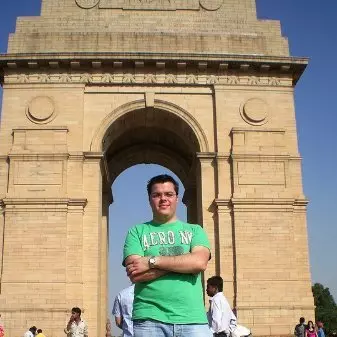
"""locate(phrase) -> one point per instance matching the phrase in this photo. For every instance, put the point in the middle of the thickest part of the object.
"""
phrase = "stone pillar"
(226, 248)
(272, 271)
(92, 235)
(75, 251)
(190, 200)
(34, 272)
(3, 190)
(106, 201)
(206, 196)
(2, 233)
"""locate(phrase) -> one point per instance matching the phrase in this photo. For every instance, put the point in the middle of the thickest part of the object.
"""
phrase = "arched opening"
(130, 208)
(157, 135)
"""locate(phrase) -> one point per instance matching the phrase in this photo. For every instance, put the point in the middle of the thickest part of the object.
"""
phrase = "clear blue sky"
(311, 27)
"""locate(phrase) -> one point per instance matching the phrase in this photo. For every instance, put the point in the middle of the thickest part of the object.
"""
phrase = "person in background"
(221, 318)
(300, 328)
(31, 332)
(39, 333)
(76, 326)
(311, 331)
(320, 330)
(122, 310)
(2, 328)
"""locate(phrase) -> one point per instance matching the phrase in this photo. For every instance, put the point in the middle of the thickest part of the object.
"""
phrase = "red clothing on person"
(311, 333)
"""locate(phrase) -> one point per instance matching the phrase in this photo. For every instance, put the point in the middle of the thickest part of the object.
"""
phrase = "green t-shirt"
(172, 298)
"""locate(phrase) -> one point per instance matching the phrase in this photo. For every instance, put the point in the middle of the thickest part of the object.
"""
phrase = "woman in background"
(2, 329)
(311, 331)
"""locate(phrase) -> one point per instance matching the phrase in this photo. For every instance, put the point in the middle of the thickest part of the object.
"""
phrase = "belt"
(220, 334)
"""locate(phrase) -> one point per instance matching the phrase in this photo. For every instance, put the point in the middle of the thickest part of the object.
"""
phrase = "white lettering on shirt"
(154, 242)
(171, 240)
(165, 238)
(186, 237)
(145, 243)
(162, 238)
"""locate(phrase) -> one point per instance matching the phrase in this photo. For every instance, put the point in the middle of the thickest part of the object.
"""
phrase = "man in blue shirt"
(122, 310)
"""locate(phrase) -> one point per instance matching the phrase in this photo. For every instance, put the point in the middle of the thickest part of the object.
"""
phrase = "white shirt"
(220, 315)
(123, 306)
(28, 334)
(77, 330)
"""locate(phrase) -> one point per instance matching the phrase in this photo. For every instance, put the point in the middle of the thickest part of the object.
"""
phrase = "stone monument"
(202, 87)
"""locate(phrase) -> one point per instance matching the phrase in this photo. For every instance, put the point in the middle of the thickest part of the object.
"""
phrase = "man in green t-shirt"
(164, 258)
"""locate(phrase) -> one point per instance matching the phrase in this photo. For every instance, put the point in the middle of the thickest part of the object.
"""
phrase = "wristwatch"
(152, 262)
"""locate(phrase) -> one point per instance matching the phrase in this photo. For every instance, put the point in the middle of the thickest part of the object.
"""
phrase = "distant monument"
(204, 88)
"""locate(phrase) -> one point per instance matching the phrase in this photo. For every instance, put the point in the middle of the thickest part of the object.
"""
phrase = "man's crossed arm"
(138, 269)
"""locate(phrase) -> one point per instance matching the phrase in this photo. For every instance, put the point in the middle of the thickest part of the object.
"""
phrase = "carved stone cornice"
(223, 205)
(93, 156)
(269, 204)
(43, 204)
(161, 68)
(223, 156)
(276, 307)
(255, 129)
(259, 157)
(206, 155)
(36, 128)
(38, 156)
(109, 77)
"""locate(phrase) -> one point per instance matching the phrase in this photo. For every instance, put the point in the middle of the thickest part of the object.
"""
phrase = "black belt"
(220, 334)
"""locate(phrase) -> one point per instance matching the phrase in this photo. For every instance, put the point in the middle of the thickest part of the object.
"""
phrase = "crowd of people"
(309, 330)
(34, 332)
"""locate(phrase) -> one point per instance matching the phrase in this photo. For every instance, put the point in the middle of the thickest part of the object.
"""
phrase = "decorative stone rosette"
(41, 110)
(255, 111)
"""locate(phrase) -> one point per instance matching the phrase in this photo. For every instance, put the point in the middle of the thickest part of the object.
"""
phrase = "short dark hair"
(77, 310)
(39, 330)
(161, 179)
(216, 281)
(33, 329)
(302, 320)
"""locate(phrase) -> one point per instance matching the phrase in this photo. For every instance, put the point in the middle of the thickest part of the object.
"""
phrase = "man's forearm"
(191, 263)
(149, 275)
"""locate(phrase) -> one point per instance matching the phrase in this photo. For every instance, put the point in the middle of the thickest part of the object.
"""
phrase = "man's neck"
(164, 220)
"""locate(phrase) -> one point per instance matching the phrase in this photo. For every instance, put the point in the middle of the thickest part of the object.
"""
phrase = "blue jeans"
(148, 328)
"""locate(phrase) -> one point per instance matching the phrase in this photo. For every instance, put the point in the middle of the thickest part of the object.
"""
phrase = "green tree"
(326, 308)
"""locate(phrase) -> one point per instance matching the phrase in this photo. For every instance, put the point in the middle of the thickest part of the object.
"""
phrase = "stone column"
(3, 189)
(74, 256)
(2, 233)
(206, 196)
(92, 235)
(190, 200)
(225, 243)
(106, 201)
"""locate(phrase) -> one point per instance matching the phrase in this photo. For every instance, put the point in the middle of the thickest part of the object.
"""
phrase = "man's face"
(74, 315)
(211, 290)
(163, 200)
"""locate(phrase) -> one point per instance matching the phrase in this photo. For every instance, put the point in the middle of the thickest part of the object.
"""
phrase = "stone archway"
(210, 89)
(162, 134)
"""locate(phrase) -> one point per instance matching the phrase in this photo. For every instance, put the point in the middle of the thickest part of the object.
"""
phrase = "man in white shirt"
(31, 332)
(122, 310)
(221, 318)
(76, 327)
